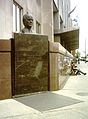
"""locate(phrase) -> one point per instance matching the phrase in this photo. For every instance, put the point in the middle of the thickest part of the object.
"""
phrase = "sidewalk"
(69, 103)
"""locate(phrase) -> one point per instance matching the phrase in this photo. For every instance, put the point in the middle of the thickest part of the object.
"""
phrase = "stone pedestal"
(31, 63)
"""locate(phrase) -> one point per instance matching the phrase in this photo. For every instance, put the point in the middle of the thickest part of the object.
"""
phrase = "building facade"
(48, 17)
(51, 19)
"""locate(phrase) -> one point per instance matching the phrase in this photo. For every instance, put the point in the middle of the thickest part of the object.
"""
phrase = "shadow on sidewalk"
(47, 101)
(82, 93)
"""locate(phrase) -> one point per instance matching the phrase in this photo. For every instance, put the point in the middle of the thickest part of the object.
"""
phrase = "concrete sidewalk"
(69, 103)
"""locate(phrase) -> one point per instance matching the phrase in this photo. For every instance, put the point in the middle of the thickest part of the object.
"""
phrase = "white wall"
(5, 19)
(6, 15)
(43, 13)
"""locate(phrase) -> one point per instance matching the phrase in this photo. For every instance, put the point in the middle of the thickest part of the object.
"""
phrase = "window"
(38, 27)
(17, 13)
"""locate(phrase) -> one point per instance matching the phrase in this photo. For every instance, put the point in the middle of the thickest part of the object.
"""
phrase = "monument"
(28, 23)
(31, 55)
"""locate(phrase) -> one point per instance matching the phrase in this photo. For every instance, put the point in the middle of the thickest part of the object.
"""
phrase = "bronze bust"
(28, 23)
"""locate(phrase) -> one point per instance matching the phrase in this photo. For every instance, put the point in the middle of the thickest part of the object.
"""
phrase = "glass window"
(38, 27)
(17, 13)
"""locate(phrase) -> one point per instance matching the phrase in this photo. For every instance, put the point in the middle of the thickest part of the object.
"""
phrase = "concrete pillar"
(47, 18)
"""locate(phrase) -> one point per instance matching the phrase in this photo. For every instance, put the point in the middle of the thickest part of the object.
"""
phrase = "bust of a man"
(28, 23)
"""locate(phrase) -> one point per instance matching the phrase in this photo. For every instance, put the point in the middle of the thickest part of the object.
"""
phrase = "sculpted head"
(28, 21)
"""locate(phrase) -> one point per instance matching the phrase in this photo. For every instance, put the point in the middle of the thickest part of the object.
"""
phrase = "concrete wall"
(47, 19)
(5, 19)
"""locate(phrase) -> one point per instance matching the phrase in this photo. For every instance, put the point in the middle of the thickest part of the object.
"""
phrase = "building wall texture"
(65, 8)
(5, 19)
(34, 7)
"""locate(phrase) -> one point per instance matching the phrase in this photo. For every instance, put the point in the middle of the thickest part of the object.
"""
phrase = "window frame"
(38, 27)
(17, 7)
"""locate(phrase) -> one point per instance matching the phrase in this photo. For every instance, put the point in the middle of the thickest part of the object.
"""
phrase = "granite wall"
(64, 69)
(5, 69)
(60, 64)
(64, 62)
(31, 59)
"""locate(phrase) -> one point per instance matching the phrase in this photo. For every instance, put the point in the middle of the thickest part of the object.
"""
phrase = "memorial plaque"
(31, 63)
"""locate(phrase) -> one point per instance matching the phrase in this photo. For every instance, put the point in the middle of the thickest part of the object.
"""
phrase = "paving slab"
(11, 108)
